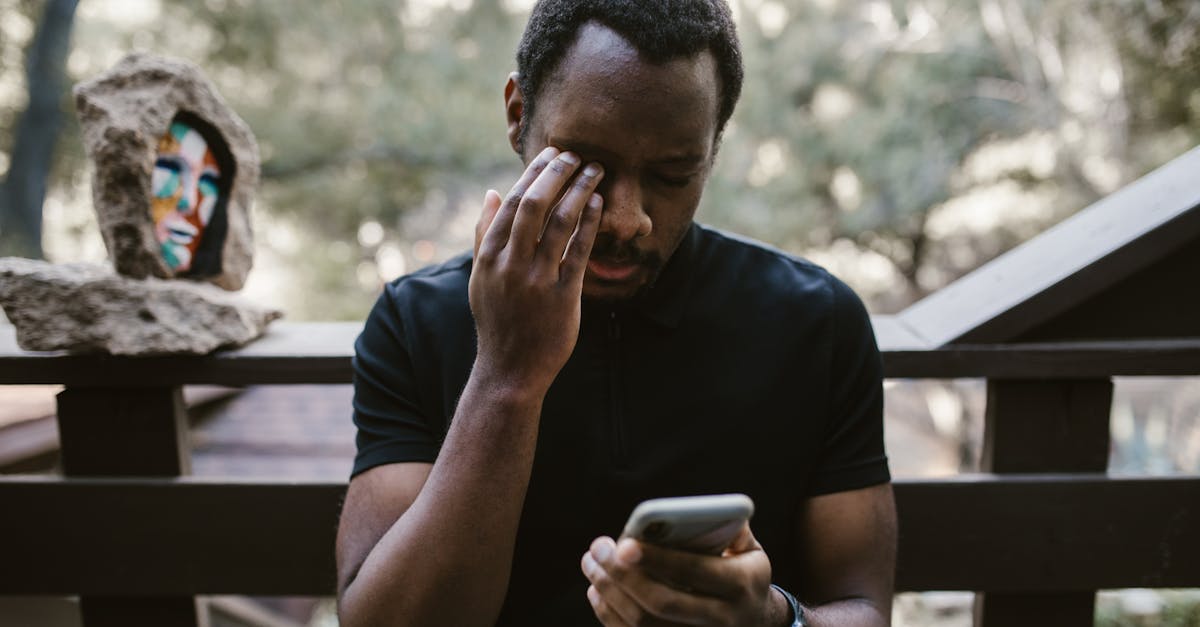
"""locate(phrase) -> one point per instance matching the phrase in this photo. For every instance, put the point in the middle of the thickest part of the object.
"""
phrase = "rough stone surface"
(88, 308)
(123, 113)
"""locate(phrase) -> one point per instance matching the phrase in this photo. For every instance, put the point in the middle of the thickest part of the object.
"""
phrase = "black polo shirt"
(743, 369)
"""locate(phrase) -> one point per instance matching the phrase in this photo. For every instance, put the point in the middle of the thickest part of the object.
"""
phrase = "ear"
(514, 110)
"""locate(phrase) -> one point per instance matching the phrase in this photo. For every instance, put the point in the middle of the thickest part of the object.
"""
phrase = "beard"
(609, 250)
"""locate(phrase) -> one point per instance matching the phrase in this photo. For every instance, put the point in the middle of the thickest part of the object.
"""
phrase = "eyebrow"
(592, 149)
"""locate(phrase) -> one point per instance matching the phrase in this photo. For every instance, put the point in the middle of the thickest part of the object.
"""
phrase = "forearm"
(857, 612)
(456, 540)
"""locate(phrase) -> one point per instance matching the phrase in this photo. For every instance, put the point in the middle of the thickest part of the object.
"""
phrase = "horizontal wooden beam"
(1042, 533)
(1059, 360)
(302, 353)
(151, 537)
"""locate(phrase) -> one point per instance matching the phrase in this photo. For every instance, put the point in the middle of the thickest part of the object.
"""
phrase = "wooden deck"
(1110, 292)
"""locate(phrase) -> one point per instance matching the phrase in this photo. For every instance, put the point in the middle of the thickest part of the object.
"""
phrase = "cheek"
(160, 208)
(165, 183)
(208, 203)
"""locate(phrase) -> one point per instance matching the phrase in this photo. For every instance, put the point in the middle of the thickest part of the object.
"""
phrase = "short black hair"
(661, 30)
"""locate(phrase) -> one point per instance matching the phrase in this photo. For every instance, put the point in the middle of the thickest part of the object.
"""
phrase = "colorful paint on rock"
(187, 198)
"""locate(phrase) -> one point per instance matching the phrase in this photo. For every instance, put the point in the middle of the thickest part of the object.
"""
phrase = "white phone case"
(700, 524)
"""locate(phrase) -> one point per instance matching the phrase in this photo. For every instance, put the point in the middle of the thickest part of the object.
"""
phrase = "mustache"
(610, 249)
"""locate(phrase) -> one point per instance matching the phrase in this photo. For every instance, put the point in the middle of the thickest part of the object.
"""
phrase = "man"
(598, 349)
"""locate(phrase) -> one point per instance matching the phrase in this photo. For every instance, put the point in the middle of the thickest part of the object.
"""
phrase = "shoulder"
(744, 265)
(446, 278)
(429, 302)
(437, 291)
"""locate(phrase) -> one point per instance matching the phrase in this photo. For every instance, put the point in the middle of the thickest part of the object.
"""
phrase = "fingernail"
(595, 201)
(592, 169)
(570, 158)
(629, 552)
(548, 152)
(603, 550)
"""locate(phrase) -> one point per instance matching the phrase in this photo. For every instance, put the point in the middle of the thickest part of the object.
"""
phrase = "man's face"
(653, 128)
(185, 186)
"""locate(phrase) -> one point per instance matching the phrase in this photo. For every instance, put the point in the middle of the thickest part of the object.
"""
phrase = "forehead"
(604, 89)
(190, 144)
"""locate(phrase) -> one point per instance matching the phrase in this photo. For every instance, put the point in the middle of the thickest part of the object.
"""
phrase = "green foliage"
(902, 141)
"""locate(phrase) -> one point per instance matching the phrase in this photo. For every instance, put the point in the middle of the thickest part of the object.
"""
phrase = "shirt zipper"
(620, 449)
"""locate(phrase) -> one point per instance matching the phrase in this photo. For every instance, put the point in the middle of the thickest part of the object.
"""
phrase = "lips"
(180, 231)
(607, 270)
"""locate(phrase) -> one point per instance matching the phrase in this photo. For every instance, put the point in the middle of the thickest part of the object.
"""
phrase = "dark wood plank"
(1036, 610)
(1058, 360)
(1047, 426)
(168, 537)
(122, 612)
(1047, 533)
(158, 537)
(127, 432)
(1159, 301)
(1114, 238)
(1044, 426)
(123, 432)
(313, 352)
(328, 361)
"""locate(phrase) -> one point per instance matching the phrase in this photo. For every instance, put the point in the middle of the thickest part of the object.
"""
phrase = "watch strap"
(797, 610)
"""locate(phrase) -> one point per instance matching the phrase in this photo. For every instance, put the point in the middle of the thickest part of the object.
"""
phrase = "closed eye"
(674, 181)
(168, 163)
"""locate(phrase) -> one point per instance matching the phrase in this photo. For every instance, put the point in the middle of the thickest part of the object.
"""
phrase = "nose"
(190, 184)
(624, 217)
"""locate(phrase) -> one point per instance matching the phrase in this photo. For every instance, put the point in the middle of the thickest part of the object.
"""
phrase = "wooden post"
(128, 432)
(1044, 426)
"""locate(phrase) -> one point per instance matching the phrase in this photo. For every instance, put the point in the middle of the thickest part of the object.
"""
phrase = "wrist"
(793, 613)
(503, 389)
(779, 612)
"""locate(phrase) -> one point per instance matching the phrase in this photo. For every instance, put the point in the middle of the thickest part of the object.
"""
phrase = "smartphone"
(699, 524)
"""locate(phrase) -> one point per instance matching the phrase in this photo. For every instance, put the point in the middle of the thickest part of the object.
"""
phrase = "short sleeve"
(852, 454)
(387, 404)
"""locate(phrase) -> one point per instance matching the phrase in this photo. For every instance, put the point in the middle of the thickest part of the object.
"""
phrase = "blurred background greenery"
(899, 142)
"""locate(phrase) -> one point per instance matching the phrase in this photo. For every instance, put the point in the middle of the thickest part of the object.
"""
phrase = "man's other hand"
(635, 584)
(531, 251)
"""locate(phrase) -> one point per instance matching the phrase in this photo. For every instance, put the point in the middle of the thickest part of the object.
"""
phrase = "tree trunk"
(24, 188)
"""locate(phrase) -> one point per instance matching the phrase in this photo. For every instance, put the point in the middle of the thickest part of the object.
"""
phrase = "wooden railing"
(130, 532)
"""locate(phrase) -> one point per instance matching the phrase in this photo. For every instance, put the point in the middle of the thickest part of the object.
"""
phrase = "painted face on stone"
(653, 128)
(186, 187)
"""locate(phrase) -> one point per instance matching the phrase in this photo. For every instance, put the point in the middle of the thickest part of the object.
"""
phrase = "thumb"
(744, 542)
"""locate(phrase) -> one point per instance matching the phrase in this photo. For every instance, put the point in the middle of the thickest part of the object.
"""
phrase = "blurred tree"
(30, 159)
(900, 142)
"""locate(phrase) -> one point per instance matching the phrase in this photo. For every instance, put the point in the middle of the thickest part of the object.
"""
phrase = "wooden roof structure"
(1127, 267)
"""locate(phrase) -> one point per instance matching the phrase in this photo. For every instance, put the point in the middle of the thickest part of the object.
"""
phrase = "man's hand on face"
(531, 251)
(635, 583)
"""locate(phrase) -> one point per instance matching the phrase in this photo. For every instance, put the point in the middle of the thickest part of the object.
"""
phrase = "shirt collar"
(664, 301)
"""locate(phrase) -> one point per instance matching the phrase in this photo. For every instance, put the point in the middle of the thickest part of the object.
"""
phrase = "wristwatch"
(797, 611)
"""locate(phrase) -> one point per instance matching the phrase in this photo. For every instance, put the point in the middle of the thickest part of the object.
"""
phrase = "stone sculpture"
(85, 307)
(175, 175)
(129, 116)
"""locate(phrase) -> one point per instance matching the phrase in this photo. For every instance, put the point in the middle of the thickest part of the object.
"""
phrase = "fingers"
(721, 577)
(491, 205)
(498, 233)
(563, 221)
(603, 610)
(537, 201)
(638, 599)
(574, 261)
